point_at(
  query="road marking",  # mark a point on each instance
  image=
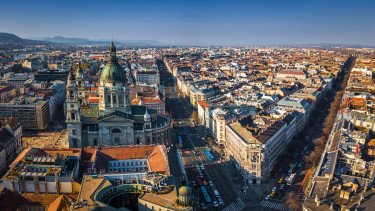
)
(274, 205)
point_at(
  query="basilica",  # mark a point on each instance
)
(113, 121)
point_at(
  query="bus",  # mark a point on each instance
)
(200, 181)
(179, 139)
(209, 155)
(205, 195)
(291, 179)
(292, 168)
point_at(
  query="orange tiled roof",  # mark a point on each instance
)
(126, 153)
(203, 103)
(157, 160)
(20, 156)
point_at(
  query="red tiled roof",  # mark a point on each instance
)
(157, 160)
(203, 103)
(126, 153)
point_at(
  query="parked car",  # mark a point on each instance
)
(220, 201)
(281, 186)
(211, 184)
(267, 197)
(215, 203)
(203, 206)
(274, 189)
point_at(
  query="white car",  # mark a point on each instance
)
(215, 204)
(267, 197)
(202, 167)
(211, 184)
(220, 201)
(281, 186)
(274, 189)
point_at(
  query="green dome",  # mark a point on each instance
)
(184, 191)
(113, 72)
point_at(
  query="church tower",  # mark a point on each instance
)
(81, 86)
(73, 115)
(113, 89)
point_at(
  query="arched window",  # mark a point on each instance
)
(114, 99)
(73, 116)
(120, 99)
(116, 130)
(75, 142)
(108, 98)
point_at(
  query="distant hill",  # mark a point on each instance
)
(10, 41)
(64, 40)
(85, 41)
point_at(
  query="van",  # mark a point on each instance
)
(216, 193)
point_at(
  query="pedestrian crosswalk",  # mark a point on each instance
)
(274, 205)
(237, 205)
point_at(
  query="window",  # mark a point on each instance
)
(120, 99)
(116, 130)
(114, 99)
(74, 132)
(71, 106)
(108, 98)
(95, 142)
(73, 116)
(75, 143)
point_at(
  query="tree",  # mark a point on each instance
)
(210, 141)
(293, 202)
(194, 116)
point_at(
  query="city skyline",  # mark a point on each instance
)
(196, 23)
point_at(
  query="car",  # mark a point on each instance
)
(194, 183)
(220, 201)
(290, 164)
(194, 170)
(211, 184)
(205, 183)
(274, 189)
(204, 171)
(215, 203)
(203, 206)
(281, 186)
(267, 197)
(277, 184)
(202, 167)
(299, 164)
(280, 180)
(272, 194)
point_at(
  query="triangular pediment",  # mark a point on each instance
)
(115, 116)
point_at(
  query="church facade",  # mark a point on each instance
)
(114, 121)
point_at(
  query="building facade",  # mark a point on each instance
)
(114, 121)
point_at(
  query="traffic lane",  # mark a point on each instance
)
(221, 183)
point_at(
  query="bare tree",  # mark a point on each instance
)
(293, 202)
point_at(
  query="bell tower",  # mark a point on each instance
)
(81, 86)
(73, 115)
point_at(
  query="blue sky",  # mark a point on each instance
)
(261, 22)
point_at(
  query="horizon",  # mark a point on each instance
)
(239, 23)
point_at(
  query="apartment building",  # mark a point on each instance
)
(254, 151)
(30, 112)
